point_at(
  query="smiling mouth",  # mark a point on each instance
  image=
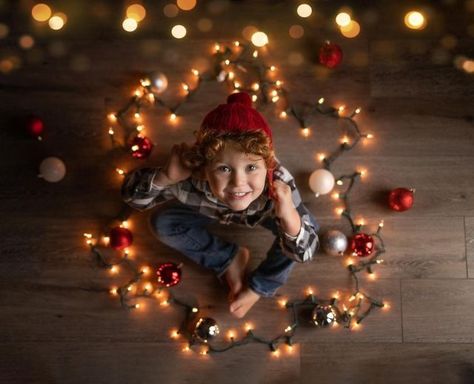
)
(238, 195)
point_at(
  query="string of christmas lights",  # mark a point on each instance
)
(229, 59)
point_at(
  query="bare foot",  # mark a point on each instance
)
(244, 301)
(235, 272)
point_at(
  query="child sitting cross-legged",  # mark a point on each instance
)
(229, 175)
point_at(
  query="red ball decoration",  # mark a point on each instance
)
(169, 274)
(120, 238)
(401, 199)
(330, 55)
(362, 244)
(35, 126)
(141, 147)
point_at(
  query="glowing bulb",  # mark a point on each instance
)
(114, 269)
(278, 83)
(146, 270)
(186, 87)
(415, 20)
(254, 98)
(57, 21)
(341, 109)
(282, 303)
(283, 114)
(178, 31)
(274, 92)
(114, 291)
(339, 211)
(248, 327)
(288, 329)
(321, 100)
(112, 117)
(194, 310)
(304, 10)
(231, 335)
(129, 25)
(321, 156)
(137, 306)
(272, 68)
(172, 116)
(259, 39)
(231, 75)
(363, 173)
(145, 82)
(236, 85)
(255, 54)
(217, 47)
(370, 136)
(236, 43)
(255, 87)
(140, 127)
(186, 349)
(358, 110)
(275, 99)
(351, 30)
(349, 262)
(41, 12)
(309, 291)
(361, 222)
(372, 276)
(111, 131)
(305, 132)
(290, 348)
(339, 182)
(336, 295)
(174, 333)
(195, 72)
(227, 62)
(335, 196)
(136, 12)
(120, 171)
(386, 306)
(276, 353)
(345, 140)
(343, 19)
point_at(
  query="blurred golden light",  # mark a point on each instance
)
(248, 31)
(178, 31)
(4, 30)
(129, 25)
(41, 12)
(351, 30)
(259, 39)
(57, 22)
(295, 58)
(136, 12)
(296, 31)
(304, 10)
(186, 5)
(415, 20)
(468, 66)
(6, 65)
(204, 25)
(26, 42)
(170, 10)
(343, 19)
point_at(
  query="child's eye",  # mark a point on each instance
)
(223, 168)
(252, 167)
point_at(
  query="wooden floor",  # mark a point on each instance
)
(59, 324)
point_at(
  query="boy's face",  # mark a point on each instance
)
(236, 178)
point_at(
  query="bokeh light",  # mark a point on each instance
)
(186, 5)
(26, 42)
(296, 31)
(343, 19)
(4, 30)
(352, 30)
(304, 10)
(259, 39)
(129, 25)
(248, 31)
(57, 21)
(295, 58)
(170, 10)
(136, 12)
(178, 31)
(204, 24)
(415, 20)
(41, 12)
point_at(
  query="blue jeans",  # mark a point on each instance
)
(184, 229)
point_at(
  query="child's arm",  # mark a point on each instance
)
(146, 187)
(298, 231)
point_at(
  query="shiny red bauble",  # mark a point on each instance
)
(141, 147)
(120, 238)
(169, 274)
(401, 199)
(362, 244)
(35, 126)
(330, 55)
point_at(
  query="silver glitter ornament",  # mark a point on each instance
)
(206, 328)
(158, 81)
(334, 242)
(323, 316)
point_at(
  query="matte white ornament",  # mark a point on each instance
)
(52, 169)
(321, 182)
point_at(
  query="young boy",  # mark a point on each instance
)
(229, 175)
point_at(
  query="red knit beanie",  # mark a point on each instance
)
(238, 116)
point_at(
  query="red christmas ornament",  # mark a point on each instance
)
(120, 238)
(141, 147)
(330, 55)
(169, 274)
(401, 199)
(35, 126)
(362, 244)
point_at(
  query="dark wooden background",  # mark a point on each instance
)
(58, 324)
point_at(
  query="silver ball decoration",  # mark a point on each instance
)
(334, 242)
(206, 328)
(323, 316)
(159, 82)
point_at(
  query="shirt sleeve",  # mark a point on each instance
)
(303, 247)
(140, 193)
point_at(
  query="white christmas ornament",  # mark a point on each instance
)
(321, 182)
(52, 169)
(159, 82)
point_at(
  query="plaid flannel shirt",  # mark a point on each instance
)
(139, 192)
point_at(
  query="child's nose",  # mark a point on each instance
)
(239, 178)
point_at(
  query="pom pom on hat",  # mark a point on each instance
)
(237, 116)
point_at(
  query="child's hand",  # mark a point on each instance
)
(285, 209)
(175, 170)
(283, 202)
